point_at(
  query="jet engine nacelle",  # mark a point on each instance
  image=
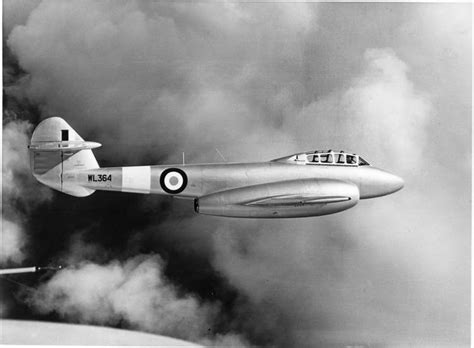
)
(296, 198)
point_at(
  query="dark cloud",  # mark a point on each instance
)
(257, 81)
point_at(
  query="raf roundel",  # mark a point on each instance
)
(173, 180)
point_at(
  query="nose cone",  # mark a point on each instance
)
(376, 182)
(393, 183)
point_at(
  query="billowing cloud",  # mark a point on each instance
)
(371, 113)
(190, 67)
(20, 192)
(134, 291)
(18, 12)
(18, 184)
(350, 277)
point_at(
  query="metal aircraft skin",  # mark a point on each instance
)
(301, 185)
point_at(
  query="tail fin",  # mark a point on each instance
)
(55, 149)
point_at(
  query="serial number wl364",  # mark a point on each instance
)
(99, 177)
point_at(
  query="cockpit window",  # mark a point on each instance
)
(326, 158)
(341, 158)
(351, 159)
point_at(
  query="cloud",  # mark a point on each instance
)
(18, 12)
(371, 112)
(134, 292)
(343, 283)
(12, 242)
(349, 278)
(21, 194)
(187, 68)
(15, 156)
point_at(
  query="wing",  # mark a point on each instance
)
(295, 198)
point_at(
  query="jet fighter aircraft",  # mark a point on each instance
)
(300, 185)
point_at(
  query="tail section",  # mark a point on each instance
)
(55, 149)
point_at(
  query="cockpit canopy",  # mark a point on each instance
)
(326, 158)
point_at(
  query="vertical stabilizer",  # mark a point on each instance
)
(55, 149)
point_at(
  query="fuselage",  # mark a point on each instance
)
(203, 179)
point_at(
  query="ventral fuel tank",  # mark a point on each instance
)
(314, 198)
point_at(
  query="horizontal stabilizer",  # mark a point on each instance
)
(64, 146)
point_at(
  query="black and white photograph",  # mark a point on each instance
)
(236, 173)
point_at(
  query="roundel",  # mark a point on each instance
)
(173, 180)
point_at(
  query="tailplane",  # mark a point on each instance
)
(55, 149)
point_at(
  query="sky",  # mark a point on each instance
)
(150, 79)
